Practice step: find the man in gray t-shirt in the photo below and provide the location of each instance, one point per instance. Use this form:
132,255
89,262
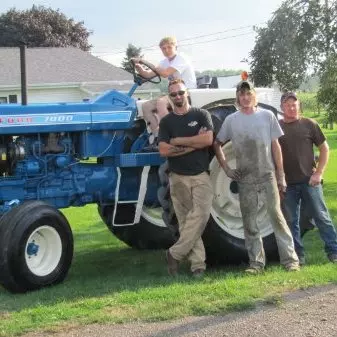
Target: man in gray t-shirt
254,134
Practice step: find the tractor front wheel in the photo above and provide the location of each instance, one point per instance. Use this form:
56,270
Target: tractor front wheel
36,247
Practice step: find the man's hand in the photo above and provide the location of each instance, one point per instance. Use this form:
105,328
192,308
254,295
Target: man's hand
173,141
281,182
234,174
315,179
138,67
203,139
177,149
136,60
202,130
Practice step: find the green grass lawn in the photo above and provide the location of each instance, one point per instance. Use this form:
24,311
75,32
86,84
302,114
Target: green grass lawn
111,283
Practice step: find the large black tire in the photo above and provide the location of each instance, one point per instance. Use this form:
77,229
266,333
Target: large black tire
144,235
36,247
223,248
219,114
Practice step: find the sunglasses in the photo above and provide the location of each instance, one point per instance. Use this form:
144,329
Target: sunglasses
175,94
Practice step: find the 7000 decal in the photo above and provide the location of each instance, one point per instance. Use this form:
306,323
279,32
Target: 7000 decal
58,119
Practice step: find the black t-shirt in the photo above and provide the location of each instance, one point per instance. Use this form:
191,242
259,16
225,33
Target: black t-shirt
187,125
297,149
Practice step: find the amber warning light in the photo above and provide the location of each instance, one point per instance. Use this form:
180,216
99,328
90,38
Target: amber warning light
244,76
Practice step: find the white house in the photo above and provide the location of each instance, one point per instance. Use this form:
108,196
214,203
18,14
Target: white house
61,75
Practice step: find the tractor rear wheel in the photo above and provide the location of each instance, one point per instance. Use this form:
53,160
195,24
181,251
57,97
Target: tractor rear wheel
224,235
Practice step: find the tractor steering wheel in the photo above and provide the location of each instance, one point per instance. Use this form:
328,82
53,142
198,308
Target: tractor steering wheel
154,79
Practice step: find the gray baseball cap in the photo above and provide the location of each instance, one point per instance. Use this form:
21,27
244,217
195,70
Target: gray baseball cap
244,85
288,94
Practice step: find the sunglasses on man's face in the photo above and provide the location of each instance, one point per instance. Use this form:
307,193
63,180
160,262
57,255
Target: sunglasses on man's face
175,94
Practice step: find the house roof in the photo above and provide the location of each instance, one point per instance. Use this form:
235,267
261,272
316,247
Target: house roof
47,66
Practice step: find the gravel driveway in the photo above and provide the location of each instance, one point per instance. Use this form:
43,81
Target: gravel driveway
307,313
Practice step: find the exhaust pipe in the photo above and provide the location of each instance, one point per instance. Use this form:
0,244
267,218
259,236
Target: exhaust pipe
23,73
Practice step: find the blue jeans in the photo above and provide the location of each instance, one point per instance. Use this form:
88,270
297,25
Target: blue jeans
316,208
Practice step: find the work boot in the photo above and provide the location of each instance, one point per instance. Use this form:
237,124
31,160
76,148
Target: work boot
292,267
172,264
198,273
301,260
254,270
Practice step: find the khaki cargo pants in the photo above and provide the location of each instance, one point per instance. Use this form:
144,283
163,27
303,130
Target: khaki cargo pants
250,196
192,200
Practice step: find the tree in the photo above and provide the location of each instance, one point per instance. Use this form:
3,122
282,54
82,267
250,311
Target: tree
42,27
327,93
131,51
298,37
262,69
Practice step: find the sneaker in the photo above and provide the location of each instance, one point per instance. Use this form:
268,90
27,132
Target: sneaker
254,270
332,258
292,267
172,264
198,273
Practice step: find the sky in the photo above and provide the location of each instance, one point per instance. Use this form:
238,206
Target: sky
214,34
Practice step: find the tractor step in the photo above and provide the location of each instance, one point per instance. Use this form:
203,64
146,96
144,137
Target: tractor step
138,203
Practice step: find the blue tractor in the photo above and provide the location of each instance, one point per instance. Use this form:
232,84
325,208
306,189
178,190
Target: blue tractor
60,155
55,156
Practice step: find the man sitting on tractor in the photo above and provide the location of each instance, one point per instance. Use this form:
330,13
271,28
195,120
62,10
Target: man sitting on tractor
174,66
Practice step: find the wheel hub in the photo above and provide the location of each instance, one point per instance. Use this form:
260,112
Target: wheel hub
43,250
32,249
153,215
226,206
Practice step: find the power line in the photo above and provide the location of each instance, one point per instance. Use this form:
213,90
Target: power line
188,39
224,31
187,44
218,39
191,44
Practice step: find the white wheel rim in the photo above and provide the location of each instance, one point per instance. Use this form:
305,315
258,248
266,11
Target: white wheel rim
43,250
153,215
226,207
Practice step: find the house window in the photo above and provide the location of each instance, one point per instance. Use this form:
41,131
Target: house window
13,98
3,100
